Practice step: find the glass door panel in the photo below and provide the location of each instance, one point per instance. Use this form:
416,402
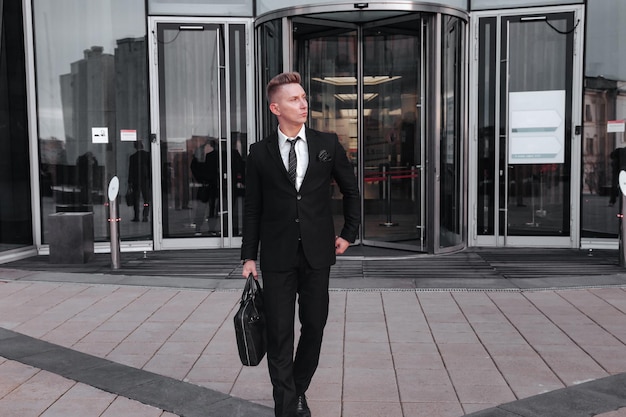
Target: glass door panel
327,62
487,172
392,183
197,193
451,188
377,107
537,153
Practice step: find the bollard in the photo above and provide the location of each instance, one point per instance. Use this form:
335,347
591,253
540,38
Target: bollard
114,222
387,175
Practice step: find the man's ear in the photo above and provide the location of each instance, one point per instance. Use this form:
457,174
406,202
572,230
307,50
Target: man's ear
274,109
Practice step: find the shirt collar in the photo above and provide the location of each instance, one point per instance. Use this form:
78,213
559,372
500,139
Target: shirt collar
282,138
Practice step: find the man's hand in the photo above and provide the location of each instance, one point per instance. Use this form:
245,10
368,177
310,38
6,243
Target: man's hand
249,267
341,245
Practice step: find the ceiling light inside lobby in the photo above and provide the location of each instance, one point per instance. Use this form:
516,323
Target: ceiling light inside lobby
351,97
348,81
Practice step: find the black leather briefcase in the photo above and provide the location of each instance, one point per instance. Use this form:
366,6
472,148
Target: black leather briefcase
250,324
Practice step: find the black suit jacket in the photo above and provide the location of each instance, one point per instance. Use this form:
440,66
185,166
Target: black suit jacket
276,216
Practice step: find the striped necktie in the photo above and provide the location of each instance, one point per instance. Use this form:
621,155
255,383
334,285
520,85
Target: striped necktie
292,161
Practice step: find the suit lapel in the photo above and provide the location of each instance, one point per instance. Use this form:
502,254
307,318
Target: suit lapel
274,151
314,144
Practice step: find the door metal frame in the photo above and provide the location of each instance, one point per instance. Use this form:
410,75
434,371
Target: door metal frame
497,240
436,130
226,205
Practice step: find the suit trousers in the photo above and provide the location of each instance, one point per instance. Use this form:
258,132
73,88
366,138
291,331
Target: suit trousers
291,377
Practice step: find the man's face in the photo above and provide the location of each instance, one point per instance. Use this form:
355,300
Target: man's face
290,105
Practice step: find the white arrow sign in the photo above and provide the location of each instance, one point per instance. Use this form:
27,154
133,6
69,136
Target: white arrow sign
536,127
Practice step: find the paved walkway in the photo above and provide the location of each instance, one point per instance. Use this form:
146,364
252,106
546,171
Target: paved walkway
77,345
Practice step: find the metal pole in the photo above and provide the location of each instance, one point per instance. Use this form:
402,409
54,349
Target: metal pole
387,174
389,222
114,222
622,231
620,215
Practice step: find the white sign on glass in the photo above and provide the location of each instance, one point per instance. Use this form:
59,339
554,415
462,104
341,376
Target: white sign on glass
128,135
100,135
537,127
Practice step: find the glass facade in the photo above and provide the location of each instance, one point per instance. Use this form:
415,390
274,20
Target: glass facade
390,79
15,186
92,111
604,112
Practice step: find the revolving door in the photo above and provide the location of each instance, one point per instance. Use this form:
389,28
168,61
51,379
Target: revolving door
393,90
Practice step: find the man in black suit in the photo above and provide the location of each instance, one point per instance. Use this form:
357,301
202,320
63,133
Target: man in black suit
291,218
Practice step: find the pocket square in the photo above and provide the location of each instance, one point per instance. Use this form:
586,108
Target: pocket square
324,156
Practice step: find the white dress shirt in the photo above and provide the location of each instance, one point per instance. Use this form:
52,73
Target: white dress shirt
302,154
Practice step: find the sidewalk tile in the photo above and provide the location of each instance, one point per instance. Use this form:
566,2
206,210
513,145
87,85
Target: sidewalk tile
385,353
436,393
371,409
487,394
431,409
364,384
80,400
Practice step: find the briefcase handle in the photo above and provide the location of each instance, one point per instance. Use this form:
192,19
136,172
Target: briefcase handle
249,290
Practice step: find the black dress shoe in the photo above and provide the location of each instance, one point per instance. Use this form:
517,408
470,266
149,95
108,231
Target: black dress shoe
302,409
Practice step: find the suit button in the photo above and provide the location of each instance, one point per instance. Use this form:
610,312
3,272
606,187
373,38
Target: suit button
297,220
299,197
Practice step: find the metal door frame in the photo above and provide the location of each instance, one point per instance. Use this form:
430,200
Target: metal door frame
226,206
573,240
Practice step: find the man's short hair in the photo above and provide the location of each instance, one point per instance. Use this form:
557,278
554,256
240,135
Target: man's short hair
280,80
